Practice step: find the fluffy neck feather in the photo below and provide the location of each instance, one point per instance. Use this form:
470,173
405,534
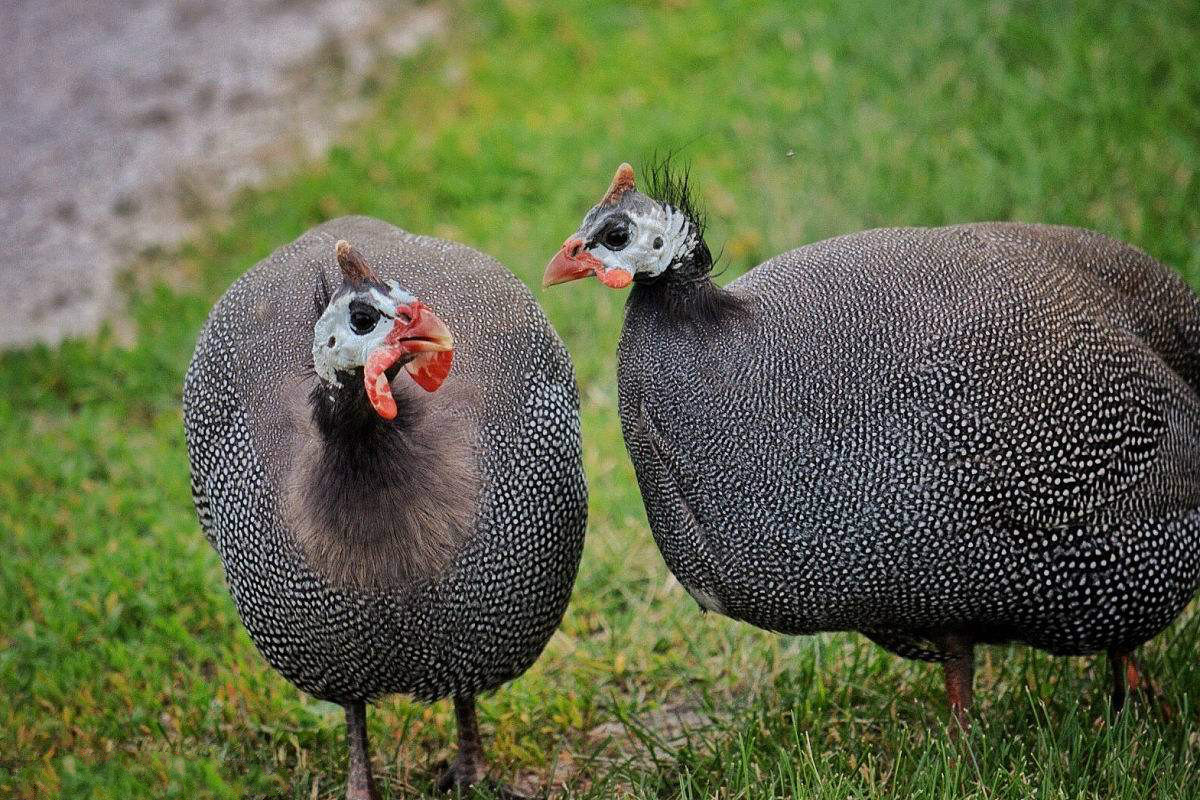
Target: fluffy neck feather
378,504
684,292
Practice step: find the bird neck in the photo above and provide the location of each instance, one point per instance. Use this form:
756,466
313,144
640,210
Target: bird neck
691,259
381,503
345,418
684,292
693,301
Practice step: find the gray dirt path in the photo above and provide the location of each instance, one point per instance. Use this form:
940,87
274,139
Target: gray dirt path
122,121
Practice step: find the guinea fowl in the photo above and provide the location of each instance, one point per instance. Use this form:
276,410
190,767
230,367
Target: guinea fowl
937,437
395,513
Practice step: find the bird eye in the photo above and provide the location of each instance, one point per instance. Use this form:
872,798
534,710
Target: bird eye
363,319
616,237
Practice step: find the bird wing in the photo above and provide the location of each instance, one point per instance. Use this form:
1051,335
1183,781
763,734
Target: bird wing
1045,404
1053,428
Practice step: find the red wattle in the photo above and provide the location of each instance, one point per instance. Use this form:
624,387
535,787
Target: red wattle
379,388
614,278
429,369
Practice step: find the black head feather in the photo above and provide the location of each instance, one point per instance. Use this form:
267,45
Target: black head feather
321,293
671,184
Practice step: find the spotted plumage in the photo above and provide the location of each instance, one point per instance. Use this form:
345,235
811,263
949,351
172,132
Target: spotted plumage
936,437
508,410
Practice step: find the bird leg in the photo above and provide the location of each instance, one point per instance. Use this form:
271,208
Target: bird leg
1128,676
468,767
959,672
360,785
1124,672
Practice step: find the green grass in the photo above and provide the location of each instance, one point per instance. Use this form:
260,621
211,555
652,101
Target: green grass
123,667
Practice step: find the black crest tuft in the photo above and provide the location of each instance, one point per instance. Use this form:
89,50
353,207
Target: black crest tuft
669,183
321,293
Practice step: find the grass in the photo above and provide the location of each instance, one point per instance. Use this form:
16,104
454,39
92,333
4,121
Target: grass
124,668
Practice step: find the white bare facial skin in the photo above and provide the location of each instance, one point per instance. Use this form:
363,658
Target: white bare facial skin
664,226
336,347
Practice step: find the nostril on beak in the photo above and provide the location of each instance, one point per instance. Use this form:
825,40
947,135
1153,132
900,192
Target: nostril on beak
573,247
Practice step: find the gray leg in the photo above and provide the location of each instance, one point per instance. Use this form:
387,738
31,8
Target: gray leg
468,767
959,673
359,783
1117,662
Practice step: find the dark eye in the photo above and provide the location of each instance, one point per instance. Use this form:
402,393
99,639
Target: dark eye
363,318
616,237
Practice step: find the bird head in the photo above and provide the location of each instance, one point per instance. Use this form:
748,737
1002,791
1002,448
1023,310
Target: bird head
377,326
627,236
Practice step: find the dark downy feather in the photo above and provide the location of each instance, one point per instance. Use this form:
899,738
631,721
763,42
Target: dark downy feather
698,303
379,504
414,472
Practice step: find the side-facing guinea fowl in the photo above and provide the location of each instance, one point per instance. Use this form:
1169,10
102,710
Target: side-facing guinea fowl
397,495
937,437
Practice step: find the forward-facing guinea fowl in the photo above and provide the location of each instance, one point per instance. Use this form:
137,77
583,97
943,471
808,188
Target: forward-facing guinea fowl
935,436
397,496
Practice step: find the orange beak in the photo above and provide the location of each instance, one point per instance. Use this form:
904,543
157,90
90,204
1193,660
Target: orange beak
417,330
572,262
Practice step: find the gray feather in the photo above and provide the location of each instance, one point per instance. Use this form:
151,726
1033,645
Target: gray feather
986,428
462,610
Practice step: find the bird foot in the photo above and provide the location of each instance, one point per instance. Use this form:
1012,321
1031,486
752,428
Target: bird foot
452,781
463,775
362,792
1152,696
1130,678
960,723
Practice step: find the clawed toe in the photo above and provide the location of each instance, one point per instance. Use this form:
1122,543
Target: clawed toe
1128,677
469,780
460,776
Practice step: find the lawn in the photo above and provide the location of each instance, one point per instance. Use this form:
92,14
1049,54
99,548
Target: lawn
124,670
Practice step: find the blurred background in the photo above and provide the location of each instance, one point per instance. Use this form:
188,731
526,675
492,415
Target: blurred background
155,149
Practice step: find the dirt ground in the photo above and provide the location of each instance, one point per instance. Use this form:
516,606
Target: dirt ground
125,121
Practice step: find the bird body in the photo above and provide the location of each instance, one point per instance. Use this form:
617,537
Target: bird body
429,554
991,429
934,436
